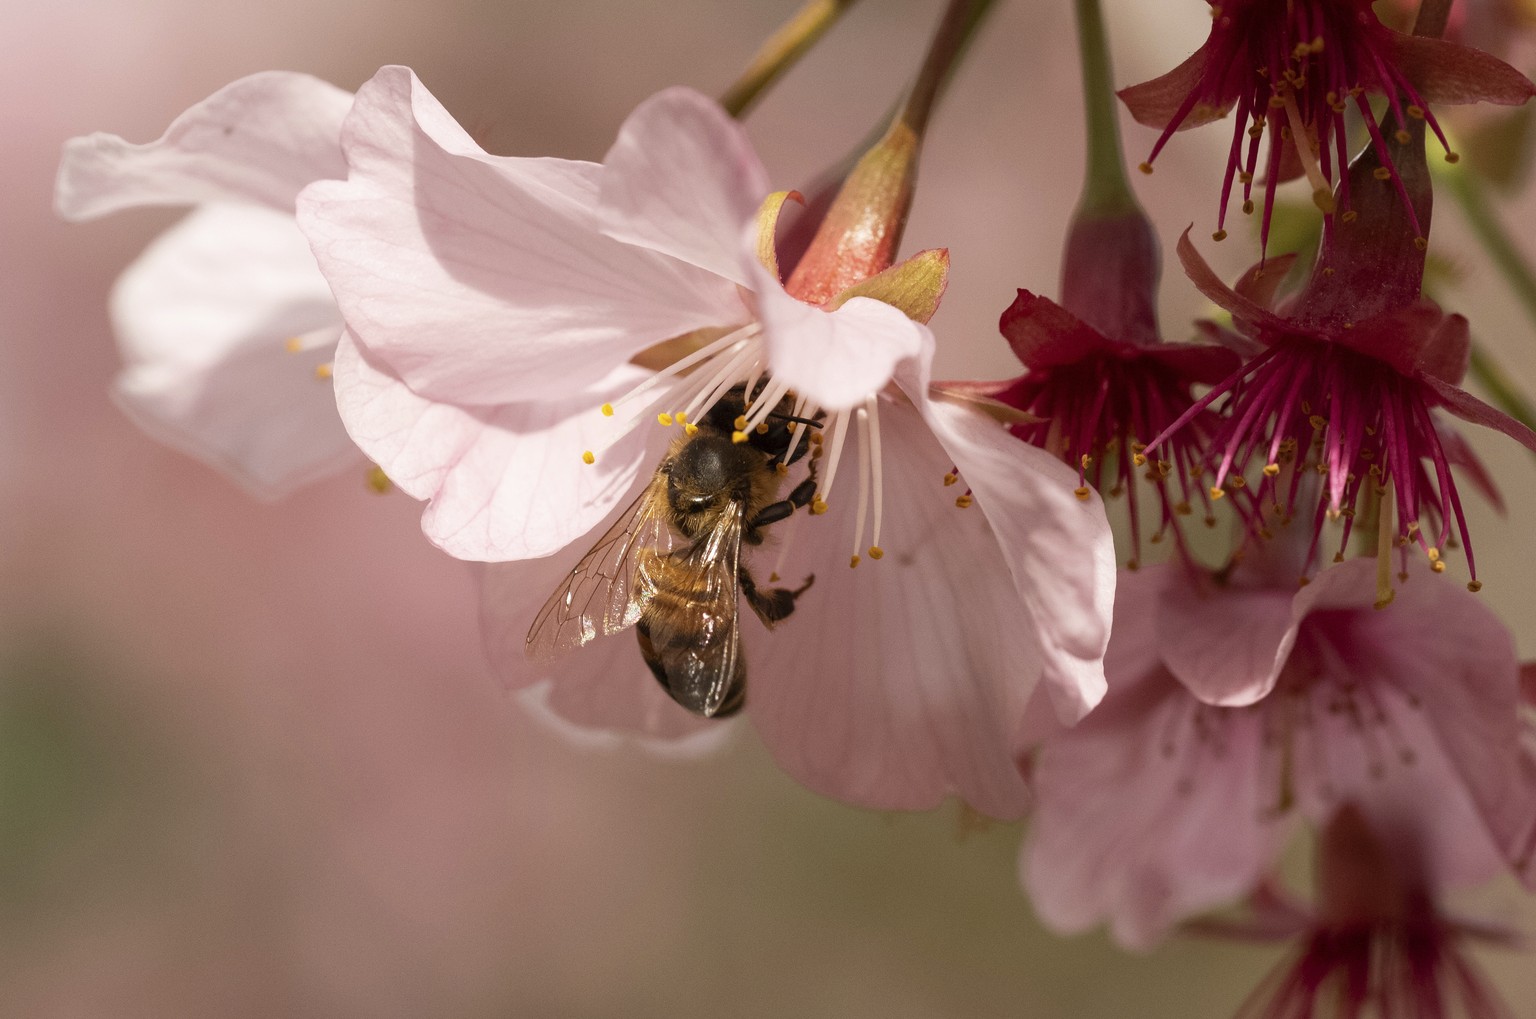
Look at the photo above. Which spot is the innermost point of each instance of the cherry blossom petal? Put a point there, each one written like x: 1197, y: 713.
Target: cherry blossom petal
x: 1469, y: 408
x: 683, y: 179
x: 1243, y: 309
x: 1449, y: 73
x: 1058, y: 548
x: 1454, y: 739
x: 505, y: 482
x: 837, y: 358
x: 1044, y: 335
x: 878, y: 689
x: 602, y: 695
x: 1142, y: 819
x: 257, y: 140
x: 483, y: 279
x: 1227, y: 645
x: 224, y: 322
x: 1158, y: 101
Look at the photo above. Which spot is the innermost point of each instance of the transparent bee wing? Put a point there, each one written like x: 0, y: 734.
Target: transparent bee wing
x: 605, y: 592
x: 693, y: 621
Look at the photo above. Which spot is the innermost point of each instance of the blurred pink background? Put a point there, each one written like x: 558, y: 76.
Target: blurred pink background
x: 250, y: 760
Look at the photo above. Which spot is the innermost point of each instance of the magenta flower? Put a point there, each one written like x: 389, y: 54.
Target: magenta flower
x: 1377, y: 941
x: 1099, y: 382
x: 226, y: 326
x: 495, y: 304
x: 1354, y: 401
x: 1292, y: 68
x: 1237, y: 709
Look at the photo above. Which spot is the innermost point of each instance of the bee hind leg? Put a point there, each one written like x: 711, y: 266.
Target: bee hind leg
x: 773, y: 604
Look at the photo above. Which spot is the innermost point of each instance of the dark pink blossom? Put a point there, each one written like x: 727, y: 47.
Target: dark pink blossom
x: 1292, y: 68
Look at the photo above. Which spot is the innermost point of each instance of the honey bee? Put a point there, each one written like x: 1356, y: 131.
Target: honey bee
x: 672, y: 567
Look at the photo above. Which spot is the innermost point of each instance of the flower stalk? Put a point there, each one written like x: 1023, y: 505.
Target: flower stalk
x: 781, y: 51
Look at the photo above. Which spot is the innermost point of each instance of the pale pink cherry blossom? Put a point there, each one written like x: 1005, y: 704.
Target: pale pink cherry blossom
x: 495, y: 305
x: 1238, y: 706
x: 1376, y: 940
x: 226, y: 326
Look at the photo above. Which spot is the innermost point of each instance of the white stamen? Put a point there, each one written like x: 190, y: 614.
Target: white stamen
x: 739, y: 338
x: 873, y: 403
x: 839, y: 431
x: 722, y: 380
x: 864, y: 471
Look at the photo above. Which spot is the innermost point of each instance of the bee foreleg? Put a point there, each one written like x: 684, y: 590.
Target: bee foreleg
x: 773, y: 604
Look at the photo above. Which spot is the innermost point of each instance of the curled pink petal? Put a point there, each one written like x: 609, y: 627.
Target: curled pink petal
x: 258, y: 140
x: 683, y: 179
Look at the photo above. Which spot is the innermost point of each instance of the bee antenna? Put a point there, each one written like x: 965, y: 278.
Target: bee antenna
x: 798, y: 420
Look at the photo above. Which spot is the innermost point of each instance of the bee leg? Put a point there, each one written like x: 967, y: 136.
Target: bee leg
x: 774, y: 604
x: 784, y: 508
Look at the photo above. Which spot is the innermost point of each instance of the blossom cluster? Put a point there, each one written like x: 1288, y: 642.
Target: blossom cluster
x: 644, y: 393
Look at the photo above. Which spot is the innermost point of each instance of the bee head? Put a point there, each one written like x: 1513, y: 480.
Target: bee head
x: 710, y: 470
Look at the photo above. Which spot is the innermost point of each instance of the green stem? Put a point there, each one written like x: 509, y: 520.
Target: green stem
x: 950, y: 41
x: 779, y: 53
x: 1105, y: 188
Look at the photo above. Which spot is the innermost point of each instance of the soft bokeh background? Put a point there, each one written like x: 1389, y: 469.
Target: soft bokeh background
x: 250, y: 760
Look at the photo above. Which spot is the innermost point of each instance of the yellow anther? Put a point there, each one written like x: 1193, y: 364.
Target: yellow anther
x: 1145, y: 168
x: 1416, y: 112
x: 853, y: 561
x: 1350, y: 216
x: 1452, y: 157
x: 378, y: 480
x: 607, y: 410
x: 1318, y: 422
x: 816, y: 437
x: 1386, y: 598
x: 664, y: 419
x: 1217, y: 492
x: 738, y: 437
x: 1248, y: 207
x: 781, y: 469
x: 1081, y: 491
x: 876, y: 552
x: 1438, y: 567
x: 740, y: 424
x: 1382, y: 173
x: 950, y: 479
x: 691, y: 428
x: 1237, y: 481
x: 1139, y: 459
x: 1183, y: 509
x: 762, y: 429
x: 588, y: 458
x: 1420, y: 243
x: 1474, y: 586
x: 1085, y: 460
x: 1219, y: 235
x: 681, y: 417
x: 293, y: 345
x: 773, y: 578
x: 1270, y: 470
x: 323, y: 371
x: 1433, y: 553
x: 818, y: 505
x: 964, y: 501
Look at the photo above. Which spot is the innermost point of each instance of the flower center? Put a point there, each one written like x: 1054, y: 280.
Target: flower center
x: 694, y: 384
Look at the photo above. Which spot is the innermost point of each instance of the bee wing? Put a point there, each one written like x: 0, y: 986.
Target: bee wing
x: 606, y: 590
x: 696, y: 640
